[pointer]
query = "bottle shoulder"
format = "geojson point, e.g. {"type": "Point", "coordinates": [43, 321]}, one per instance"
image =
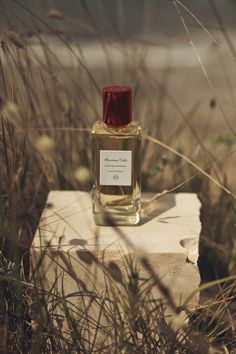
{"type": "Point", "coordinates": [133, 128]}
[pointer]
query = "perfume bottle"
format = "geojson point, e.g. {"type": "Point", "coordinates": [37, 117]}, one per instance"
{"type": "Point", "coordinates": [116, 148]}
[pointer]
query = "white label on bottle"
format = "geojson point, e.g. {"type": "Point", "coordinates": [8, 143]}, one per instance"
{"type": "Point", "coordinates": [115, 167]}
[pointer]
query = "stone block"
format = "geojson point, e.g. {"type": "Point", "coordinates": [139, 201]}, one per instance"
{"type": "Point", "coordinates": [168, 237]}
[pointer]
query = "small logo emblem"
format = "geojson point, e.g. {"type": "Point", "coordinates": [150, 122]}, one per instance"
{"type": "Point", "coordinates": [115, 177]}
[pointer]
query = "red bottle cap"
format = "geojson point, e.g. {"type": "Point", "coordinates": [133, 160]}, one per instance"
{"type": "Point", "coordinates": [117, 109]}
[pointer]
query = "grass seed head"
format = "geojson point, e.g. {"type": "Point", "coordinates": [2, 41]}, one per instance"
{"type": "Point", "coordinates": [45, 144]}
{"type": "Point", "coordinates": [82, 175]}
{"type": "Point", "coordinates": [56, 15]}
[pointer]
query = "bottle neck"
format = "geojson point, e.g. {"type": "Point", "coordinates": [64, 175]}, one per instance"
{"type": "Point", "coordinates": [117, 126]}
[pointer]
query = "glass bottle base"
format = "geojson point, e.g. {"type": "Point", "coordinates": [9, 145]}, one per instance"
{"type": "Point", "coordinates": [116, 219]}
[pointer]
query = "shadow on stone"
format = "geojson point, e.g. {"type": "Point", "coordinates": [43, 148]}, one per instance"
{"type": "Point", "coordinates": [78, 242]}
{"type": "Point", "coordinates": [157, 207]}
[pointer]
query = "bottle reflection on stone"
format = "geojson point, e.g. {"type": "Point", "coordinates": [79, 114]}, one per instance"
{"type": "Point", "coordinates": [116, 148]}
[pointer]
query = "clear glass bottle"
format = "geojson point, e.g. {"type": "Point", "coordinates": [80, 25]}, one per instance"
{"type": "Point", "coordinates": [116, 149]}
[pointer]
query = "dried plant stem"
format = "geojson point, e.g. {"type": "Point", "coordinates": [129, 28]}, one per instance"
{"type": "Point", "coordinates": [166, 191]}
{"type": "Point", "coordinates": [209, 285]}
{"type": "Point", "coordinates": [147, 266]}
{"type": "Point", "coordinates": [202, 65]}
{"type": "Point", "coordinates": [198, 21]}
{"type": "Point", "coordinates": [185, 158]}
{"type": "Point", "coordinates": [67, 45]}
{"type": "Point", "coordinates": [156, 141]}
{"type": "Point", "coordinates": [222, 28]}
{"type": "Point", "coordinates": [186, 123]}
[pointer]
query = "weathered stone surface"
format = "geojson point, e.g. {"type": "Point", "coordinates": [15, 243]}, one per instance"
{"type": "Point", "coordinates": [168, 236]}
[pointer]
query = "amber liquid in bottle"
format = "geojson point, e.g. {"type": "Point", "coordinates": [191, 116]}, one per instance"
{"type": "Point", "coordinates": [117, 173]}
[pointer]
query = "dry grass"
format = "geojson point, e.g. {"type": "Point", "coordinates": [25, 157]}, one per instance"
{"type": "Point", "coordinates": [47, 108]}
